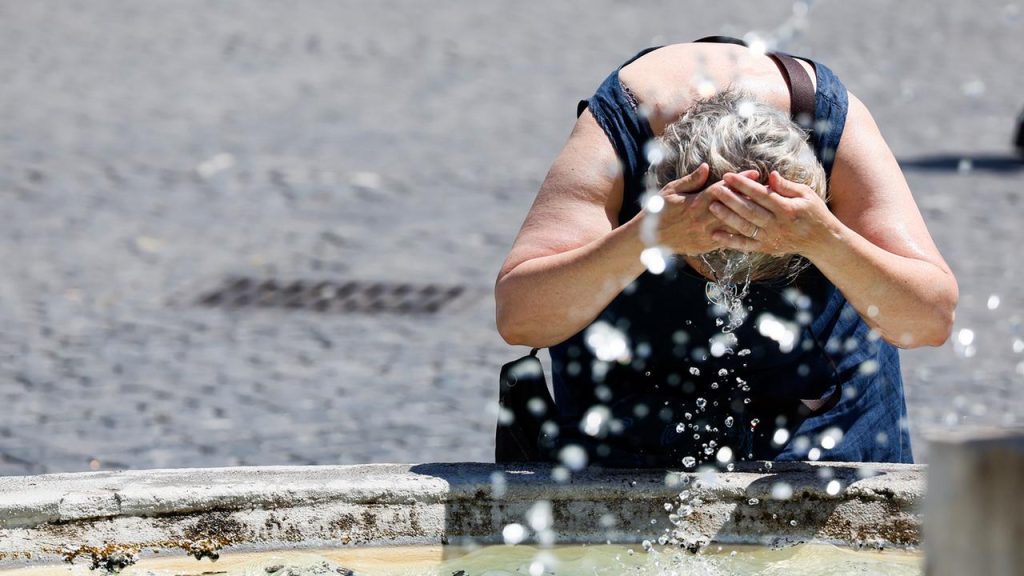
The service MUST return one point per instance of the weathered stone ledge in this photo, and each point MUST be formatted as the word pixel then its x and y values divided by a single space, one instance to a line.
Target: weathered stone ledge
pixel 203 510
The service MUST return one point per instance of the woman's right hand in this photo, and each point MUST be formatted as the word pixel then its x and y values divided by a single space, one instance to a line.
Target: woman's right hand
pixel 685 224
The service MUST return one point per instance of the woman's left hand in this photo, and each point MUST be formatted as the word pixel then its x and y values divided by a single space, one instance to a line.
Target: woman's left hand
pixel 783 217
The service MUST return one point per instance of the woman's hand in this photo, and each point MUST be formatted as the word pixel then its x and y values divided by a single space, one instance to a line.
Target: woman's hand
pixel 685 223
pixel 783 217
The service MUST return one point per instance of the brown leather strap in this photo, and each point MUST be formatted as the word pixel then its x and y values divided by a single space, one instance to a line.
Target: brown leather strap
pixel 801 90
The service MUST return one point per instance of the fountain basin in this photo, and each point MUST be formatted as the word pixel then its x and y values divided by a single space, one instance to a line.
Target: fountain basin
pixel 98 515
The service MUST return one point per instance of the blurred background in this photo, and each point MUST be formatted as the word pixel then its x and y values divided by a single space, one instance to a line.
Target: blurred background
pixel 266 232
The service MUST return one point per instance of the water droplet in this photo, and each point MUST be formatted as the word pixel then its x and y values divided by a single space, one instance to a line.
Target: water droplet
pixel 689 461
pixel 655 203
pixel 744 352
pixel 723 372
pixel 505 416
pixel 724 455
pixel 706 88
pixel 595 421
pixel 688 416
pixel 718 349
pixel 655 259
pixel 654 150
pixel 755 422
pixel 833 488
pixel 973 88
pixel 780 437
pixel 814 454
pixel 680 428
pixel 694 370
pixel 499 486
pixel 746 109
pixel 219 163
pixel 782 491
pixel 831 437
pixel 868 367
pixel 872 311
pixel 539 516
pixel 753 502
pixel 1018 345
pixel 513 533
pixel 792 522
pixel 607 342
pixel 560 474
pixel 728 421
pixel 965 337
pixel 701 403
pixel 781 331
pixel 756 44
pixel 574 457
pixel 993 302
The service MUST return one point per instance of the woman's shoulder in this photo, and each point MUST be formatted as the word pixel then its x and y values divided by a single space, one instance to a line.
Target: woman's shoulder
pixel 666 81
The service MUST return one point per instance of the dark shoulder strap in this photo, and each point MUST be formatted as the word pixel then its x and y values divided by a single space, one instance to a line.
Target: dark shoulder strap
pixel 722 40
pixel 643 52
pixel 801 90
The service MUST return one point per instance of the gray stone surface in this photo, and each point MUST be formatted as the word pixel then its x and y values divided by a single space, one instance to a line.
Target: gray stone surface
pixel 103 514
pixel 150 150
pixel 974 510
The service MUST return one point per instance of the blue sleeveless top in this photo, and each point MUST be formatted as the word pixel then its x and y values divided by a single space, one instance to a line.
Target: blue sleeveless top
pixel 685 389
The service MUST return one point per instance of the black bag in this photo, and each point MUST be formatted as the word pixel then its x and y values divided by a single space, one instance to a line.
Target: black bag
pixel 525 405
pixel 1018 141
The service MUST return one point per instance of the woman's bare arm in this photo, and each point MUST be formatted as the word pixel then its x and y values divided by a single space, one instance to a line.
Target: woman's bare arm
pixel 570 259
pixel 565 265
pixel 883 258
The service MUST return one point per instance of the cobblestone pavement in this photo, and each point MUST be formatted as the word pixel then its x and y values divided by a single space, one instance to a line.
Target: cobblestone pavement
pixel 150 151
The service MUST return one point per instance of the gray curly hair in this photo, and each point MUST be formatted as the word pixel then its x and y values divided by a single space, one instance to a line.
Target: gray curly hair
pixel 733 132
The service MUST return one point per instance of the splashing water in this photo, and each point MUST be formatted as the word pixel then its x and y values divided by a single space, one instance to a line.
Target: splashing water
pixel 731 273
pixel 781 331
pixel 607 342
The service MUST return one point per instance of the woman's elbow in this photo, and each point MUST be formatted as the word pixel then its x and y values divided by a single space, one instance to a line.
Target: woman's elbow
pixel 508 330
pixel 946 313
pixel 519 324
pixel 936 331
pixel 936 335
pixel 512 326
pixel 945 319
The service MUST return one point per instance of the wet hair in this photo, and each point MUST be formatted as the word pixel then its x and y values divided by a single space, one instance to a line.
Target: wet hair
pixel 733 132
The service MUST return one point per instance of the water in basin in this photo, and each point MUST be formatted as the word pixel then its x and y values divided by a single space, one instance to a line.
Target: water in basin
pixel 523 560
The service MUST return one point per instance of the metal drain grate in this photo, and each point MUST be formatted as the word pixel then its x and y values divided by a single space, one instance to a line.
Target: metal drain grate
pixel 326 296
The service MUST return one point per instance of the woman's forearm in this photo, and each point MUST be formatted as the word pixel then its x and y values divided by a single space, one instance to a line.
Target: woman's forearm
pixel 909 302
pixel 545 300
